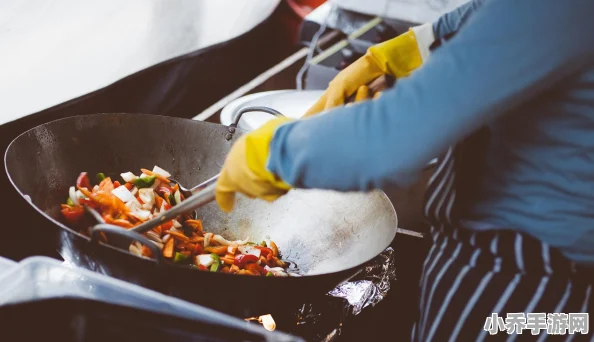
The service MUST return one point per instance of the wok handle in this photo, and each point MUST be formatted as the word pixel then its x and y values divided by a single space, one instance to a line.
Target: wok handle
pixel 237 117
pixel 198 199
pixel 127 233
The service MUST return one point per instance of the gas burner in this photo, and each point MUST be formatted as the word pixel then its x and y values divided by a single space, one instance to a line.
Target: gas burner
pixel 322 319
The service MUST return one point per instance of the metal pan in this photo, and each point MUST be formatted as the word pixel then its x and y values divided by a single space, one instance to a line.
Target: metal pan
pixel 329 235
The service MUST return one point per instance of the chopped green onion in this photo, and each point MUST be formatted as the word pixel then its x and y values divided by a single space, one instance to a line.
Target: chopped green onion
pixel 100 177
pixel 70 202
pixel 263 244
pixel 172 200
pixel 269 274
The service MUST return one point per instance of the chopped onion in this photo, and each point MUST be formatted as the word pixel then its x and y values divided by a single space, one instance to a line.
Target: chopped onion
pixel 176 224
pixel 128 177
pixel 123 194
pixel 225 242
pixel 158 244
pixel 155 184
pixel 96 188
pixel 141 214
pixel 166 238
pixel 79 194
pixel 134 250
pixel 204 260
pixel 134 190
pixel 133 205
pixel 177 197
pixel 207 238
pixel 249 250
pixel 161 172
pixel 72 195
pixel 147 196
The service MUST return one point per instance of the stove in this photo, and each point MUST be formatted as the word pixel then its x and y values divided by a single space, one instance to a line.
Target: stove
pixel 323 318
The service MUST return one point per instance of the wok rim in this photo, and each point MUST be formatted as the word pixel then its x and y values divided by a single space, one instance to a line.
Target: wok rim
pixel 351 270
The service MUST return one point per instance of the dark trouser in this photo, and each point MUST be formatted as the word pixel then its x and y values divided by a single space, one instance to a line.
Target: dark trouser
pixel 468 276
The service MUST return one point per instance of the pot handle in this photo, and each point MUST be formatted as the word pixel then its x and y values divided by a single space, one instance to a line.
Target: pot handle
pixel 237 117
pixel 128 234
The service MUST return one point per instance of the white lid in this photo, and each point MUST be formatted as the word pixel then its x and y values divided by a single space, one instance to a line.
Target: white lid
pixel 291 103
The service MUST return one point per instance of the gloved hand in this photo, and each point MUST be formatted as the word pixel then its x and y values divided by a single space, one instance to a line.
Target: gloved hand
pixel 245 170
pixel 398 57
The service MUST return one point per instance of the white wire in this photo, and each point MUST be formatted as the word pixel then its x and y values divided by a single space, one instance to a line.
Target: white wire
pixel 312 48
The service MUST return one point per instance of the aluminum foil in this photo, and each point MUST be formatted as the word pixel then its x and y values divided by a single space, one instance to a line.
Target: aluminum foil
pixel 373 286
pixel 322 320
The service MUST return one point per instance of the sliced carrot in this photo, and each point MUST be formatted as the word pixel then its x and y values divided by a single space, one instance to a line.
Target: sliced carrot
pixel 157 230
pixel 196 224
pixel 274 248
pixel 225 269
pixel 168 249
pixel 179 236
pixel 197 239
pixel 146 251
pixel 159 177
pixel 129 186
pixel 159 201
pixel 175 188
pixel 116 184
pixel 222 250
pixel 139 200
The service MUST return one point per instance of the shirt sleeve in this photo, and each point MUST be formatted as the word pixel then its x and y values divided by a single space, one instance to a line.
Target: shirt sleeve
pixel 507 54
pixel 451 22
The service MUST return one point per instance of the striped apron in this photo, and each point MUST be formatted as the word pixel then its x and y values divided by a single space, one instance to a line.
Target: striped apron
pixel 471 275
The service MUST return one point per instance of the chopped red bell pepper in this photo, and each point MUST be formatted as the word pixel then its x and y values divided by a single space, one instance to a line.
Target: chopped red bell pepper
pixel 116 184
pixel 203 268
pixel 265 251
pixel 73 214
pixel 167 225
pixel 163 191
pixel 255 268
pixel 198 249
pixel 242 259
pixel 83 181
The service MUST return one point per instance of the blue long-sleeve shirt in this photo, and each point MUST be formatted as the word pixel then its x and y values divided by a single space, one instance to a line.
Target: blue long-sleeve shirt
pixel 523 68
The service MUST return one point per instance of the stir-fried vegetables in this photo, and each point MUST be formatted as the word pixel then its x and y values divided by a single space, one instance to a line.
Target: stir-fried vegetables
pixel 182 240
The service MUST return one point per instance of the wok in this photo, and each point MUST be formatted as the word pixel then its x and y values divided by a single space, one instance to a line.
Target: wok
pixel 329 235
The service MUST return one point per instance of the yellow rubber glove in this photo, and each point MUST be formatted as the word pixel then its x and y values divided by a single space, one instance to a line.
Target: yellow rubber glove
pixel 245 170
pixel 398 57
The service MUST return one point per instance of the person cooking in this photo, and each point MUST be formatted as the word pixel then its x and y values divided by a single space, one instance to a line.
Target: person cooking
pixel 512 224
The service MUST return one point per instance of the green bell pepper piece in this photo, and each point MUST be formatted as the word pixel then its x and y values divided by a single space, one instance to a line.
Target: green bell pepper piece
pixel 269 274
pixel 263 244
pixel 179 257
pixel 144 181
pixel 217 262
pixel 100 177
pixel 69 202
pixel 172 200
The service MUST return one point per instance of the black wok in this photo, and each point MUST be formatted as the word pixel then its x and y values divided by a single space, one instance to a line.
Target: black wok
pixel 328 235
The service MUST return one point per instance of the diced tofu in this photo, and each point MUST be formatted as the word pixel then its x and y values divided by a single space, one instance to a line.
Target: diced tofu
pixel 161 172
pixel 123 193
pixel 147 196
pixel 128 177
pixel 204 260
